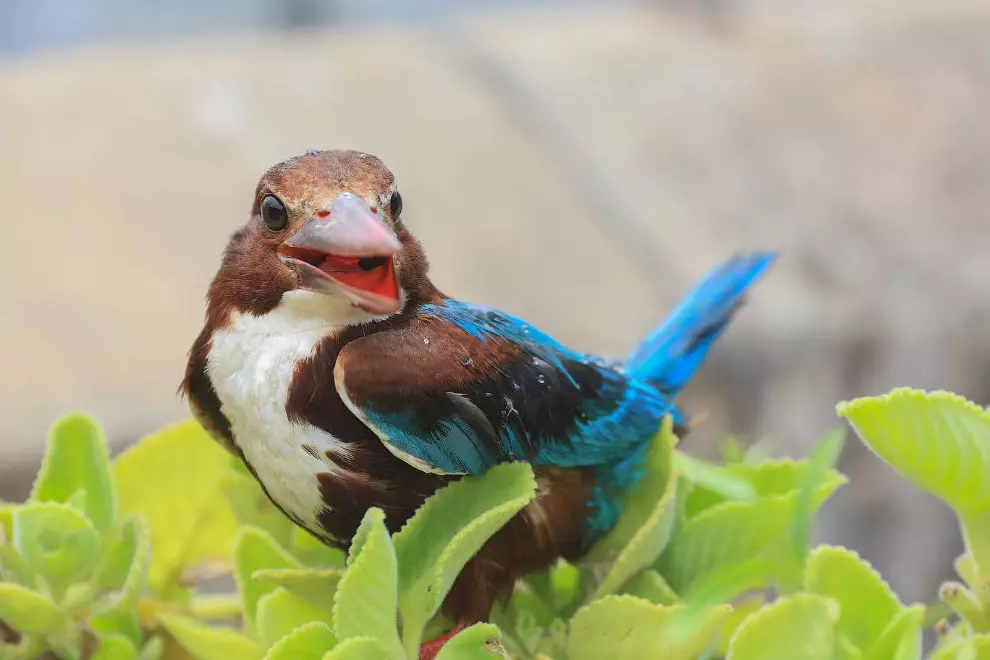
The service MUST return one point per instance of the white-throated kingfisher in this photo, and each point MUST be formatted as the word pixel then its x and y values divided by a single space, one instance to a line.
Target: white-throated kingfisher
pixel 344 379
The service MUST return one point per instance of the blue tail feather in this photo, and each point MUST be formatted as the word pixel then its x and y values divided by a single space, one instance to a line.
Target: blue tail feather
pixel 671 354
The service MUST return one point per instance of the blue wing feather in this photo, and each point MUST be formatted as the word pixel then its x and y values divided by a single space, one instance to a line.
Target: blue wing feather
pixel 536 399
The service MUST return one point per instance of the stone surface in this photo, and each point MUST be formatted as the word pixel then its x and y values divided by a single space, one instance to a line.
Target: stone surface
pixel 579 169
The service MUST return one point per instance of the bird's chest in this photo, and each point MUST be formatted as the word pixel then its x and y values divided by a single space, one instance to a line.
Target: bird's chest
pixel 251 371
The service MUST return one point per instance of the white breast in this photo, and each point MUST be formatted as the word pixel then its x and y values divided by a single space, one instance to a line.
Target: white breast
pixel 251 364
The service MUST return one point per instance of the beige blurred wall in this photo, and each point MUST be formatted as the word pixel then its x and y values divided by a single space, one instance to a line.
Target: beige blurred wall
pixel 577 168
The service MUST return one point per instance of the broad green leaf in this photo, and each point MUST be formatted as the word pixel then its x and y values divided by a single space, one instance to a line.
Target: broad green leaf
pixel 941 443
pixel 798 626
pixel 125 567
pixel 733 532
pixel 56 541
pixel 622 627
pixel 76 459
pixel 867 605
pixel 173 478
pixel 254 550
pixel 280 612
pixel 208 643
pixel 28 611
pixel 647 519
pixel 901 639
pixel 651 586
pixel 446 531
pixel 114 647
pixel 317 586
pixel 357 648
pixel 367 594
pixel 938 441
pixel 252 507
pixel 307 642
pixel 482 641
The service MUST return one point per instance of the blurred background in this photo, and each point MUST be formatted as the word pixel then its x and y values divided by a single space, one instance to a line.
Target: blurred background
pixel 579 164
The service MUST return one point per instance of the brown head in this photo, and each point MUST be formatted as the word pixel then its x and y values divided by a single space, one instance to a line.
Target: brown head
pixel 325 229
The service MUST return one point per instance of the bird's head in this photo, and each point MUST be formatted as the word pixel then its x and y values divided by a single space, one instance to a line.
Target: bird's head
pixel 326 229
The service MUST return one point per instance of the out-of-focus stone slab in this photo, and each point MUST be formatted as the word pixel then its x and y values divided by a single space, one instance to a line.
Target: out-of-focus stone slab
pixel 579 169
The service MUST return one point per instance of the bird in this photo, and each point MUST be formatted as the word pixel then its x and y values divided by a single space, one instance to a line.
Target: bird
pixel 345 379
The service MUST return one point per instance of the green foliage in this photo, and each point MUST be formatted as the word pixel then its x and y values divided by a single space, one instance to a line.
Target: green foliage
pixel 105 560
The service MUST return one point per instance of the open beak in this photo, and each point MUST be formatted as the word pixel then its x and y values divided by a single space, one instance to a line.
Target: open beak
pixel 347 250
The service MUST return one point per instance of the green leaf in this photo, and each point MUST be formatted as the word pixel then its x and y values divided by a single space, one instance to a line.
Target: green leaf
pixel 125 567
pixel 308 642
pixel 733 532
pixel 280 612
pixel 367 594
pixel 901 639
pixel 623 627
pixel 56 541
pixel 482 641
pixel 938 441
pixel 252 507
pixel 713 483
pixel 6 520
pixel 317 586
pixel 76 460
pixel 647 518
pixel 173 477
pixel 313 552
pixel 770 477
pixel 357 648
pixel 117 621
pixel 154 649
pixel 976 647
pixel 13 568
pixel 819 470
pixel 867 605
pixel 254 550
pixel 28 611
pixel 114 647
pixel 721 585
pixel 941 443
pixel 651 586
pixel 740 612
pixel 798 626
pixel 209 643
pixel 446 531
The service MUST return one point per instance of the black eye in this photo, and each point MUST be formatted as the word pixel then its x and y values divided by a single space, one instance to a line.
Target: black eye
pixel 273 213
pixel 395 206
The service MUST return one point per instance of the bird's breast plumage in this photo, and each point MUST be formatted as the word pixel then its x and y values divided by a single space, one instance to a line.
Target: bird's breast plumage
pixel 251 365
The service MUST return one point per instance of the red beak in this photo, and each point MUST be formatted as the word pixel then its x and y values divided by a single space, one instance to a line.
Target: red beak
pixel 347 250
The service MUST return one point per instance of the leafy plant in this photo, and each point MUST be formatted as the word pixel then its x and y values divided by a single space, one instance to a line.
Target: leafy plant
pixel 115 561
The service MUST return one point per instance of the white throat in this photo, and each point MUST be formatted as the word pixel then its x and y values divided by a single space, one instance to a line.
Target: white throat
pixel 251 365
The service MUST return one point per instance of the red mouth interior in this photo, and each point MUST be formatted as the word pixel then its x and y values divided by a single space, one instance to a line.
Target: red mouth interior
pixel 372 274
